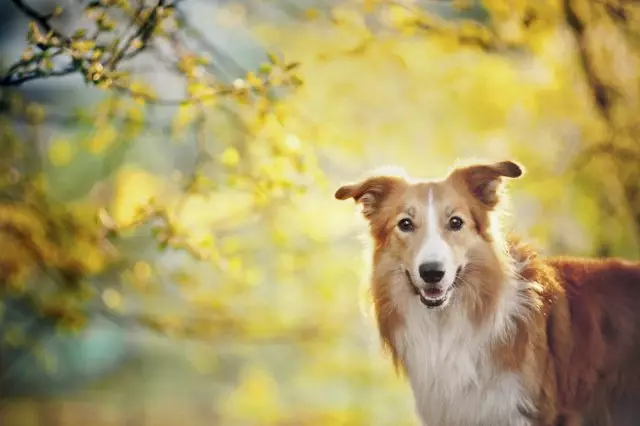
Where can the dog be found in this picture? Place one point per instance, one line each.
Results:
(485, 330)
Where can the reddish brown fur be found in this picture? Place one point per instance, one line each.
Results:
(579, 352)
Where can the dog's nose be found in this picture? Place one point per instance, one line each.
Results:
(431, 272)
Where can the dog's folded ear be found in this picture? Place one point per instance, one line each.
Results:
(369, 193)
(484, 180)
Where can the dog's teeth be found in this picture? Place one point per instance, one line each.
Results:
(423, 293)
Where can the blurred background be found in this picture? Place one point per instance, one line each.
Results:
(170, 248)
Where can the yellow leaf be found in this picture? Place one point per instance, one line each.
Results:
(292, 143)
(142, 91)
(82, 47)
(61, 152)
(234, 265)
(400, 15)
(134, 189)
(112, 299)
(105, 219)
(73, 321)
(253, 80)
(142, 271)
(204, 94)
(84, 254)
(185, 115)
(135, 113)
(255, 398)
(33, 34)
(27, 54)
(198, 214)
(311, 13)
(102, 139)
(230, 157)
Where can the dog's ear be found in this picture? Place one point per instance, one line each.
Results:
(484, 180)
(369, 193)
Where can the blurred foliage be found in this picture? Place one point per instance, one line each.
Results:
(240, 240)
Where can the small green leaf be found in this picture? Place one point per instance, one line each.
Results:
(47, 64)
(265, 68)
(291, 66)
(80, 33)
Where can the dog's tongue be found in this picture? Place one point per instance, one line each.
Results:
(431, 292)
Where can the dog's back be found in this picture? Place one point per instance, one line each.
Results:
(599, 366)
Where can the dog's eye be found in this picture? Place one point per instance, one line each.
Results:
(405, 225)
(455, 223)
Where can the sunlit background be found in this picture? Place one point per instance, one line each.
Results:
(170, 248)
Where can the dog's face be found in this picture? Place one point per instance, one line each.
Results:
(434, 232)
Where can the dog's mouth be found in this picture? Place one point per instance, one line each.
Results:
(433, 297)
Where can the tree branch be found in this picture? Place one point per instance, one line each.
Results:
(41, 20)
(144, 32)
(12, 80)
(18, 74)
(601, 93)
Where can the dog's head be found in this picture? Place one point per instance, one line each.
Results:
(435, 233)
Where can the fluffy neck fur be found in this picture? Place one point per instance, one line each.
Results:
(499, 294)
(477, 346)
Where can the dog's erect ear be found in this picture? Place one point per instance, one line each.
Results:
(369, 193)
(484, 180)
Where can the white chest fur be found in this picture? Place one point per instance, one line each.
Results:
(453, 378)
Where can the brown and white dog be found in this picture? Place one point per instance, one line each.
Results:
(487, 332)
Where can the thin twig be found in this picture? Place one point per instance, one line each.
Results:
(41, 20)
(144, 32)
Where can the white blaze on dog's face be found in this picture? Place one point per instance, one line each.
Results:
(438, 260)
(431, 231)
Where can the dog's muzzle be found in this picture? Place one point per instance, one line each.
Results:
(433, 297)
